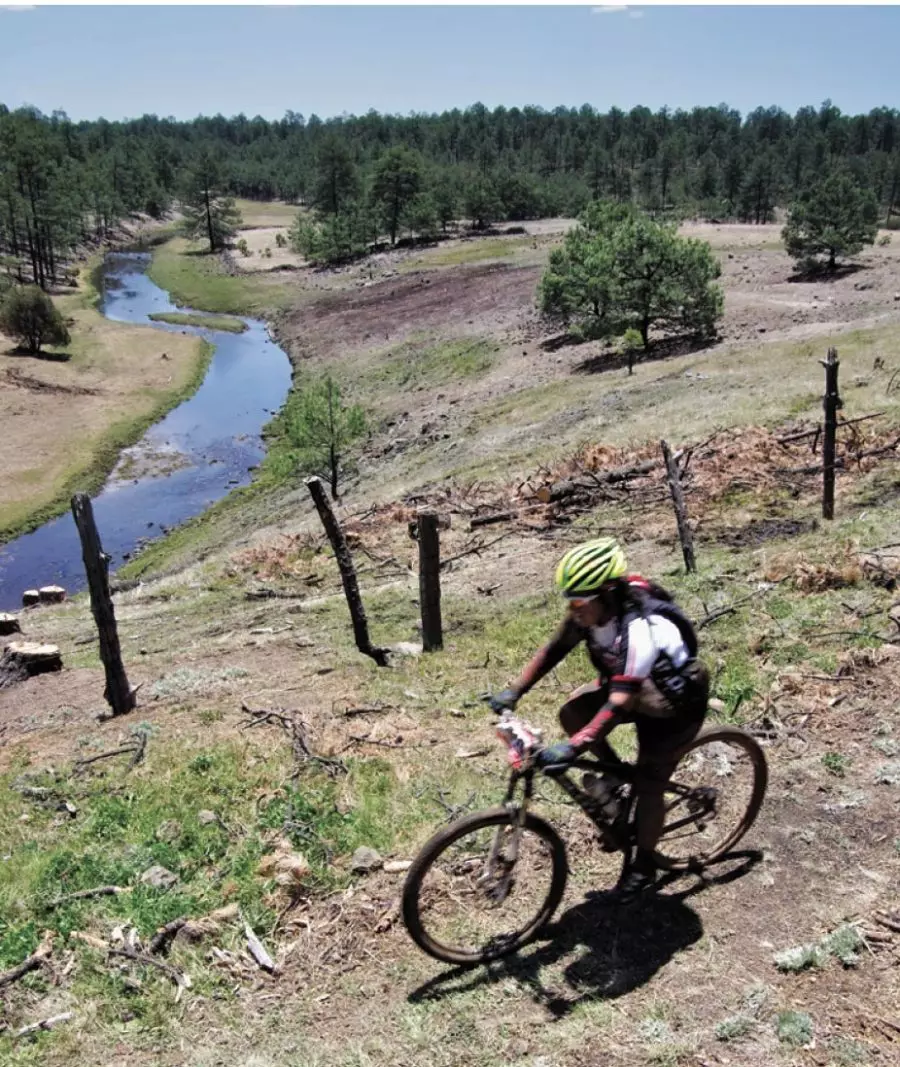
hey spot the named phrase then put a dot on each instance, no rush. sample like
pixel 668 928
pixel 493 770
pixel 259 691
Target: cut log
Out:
pixel 489 520
pixel 549 494
pixel 51 594
pixel 9 624
pixel 23 659
pixel 30 597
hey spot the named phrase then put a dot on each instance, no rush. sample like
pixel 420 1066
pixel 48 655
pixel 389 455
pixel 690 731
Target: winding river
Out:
pixel 199 452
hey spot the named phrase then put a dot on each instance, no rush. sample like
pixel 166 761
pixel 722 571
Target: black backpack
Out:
pixel 653 599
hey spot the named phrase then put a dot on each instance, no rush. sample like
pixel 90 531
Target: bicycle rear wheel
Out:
pixel 483 886
pixel 713 798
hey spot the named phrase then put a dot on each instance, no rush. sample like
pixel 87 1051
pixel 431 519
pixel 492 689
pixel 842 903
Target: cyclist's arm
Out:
pixel 555 651
pixel 637 655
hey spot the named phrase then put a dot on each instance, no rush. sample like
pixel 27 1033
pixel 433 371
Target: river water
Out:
pixel 198 453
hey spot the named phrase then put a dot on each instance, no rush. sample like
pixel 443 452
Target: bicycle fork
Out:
pixel 497 879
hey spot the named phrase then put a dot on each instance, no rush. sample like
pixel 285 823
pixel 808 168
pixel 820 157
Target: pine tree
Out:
pixel 322 430
pixel 208 213
pixel 836 217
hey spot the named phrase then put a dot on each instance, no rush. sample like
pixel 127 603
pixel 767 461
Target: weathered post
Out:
pixel 348 573
pixel 118 693
pixel 684 530
pixel 831 402
pixel 430 580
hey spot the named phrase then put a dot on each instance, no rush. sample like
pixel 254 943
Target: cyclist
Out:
pixel 645 652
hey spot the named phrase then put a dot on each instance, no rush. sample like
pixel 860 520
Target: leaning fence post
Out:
pixel 348 573
pixel 430 580
pixel 684 530
pixel 118 693
pixel 831 401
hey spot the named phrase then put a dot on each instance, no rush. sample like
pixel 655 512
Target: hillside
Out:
pixel 474 407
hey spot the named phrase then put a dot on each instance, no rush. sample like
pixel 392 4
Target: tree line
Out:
pixel 65 183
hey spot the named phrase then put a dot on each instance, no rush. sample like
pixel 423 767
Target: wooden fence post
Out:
pixel 348 573
pixel 684 530
pixel 118 693
pixel 831 402
pixel 430 580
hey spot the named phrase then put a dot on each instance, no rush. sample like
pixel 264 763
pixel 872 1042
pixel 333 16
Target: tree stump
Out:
pixel 51 594
pixel 23 659
pixel 30 597
pixel 9 624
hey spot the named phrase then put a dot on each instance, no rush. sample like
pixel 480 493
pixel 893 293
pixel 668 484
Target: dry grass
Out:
pixel 114 376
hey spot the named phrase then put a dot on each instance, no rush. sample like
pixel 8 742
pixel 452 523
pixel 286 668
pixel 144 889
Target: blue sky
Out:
pixel 183 61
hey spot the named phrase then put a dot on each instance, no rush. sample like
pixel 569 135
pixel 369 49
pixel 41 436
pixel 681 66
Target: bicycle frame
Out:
pixel 592 808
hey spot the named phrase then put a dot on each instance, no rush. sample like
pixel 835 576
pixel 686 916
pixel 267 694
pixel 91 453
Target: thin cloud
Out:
pixel 618 9
pixel 18 7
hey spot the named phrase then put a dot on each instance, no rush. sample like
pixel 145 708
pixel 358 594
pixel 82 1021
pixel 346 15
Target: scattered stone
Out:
pixel 205 818
pixel 287 867
pixel 168 831
pixel 9 624
pixel 366 860
pixel 407 648
pixel 51 594
pixel 158 877
pixel 397 866
pixel 716 705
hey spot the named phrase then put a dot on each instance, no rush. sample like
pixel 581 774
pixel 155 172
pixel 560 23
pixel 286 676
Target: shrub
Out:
pixel 31 317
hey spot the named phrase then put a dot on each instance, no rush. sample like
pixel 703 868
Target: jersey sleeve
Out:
pixel 637 654
pixel 560 645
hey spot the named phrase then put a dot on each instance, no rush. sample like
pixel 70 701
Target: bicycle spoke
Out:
pixel 485 888
pixel 716 783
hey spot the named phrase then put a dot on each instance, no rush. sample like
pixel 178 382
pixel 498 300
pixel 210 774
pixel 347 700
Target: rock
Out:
pixel 9 624
pixel 287 867
pixel 168 831
pixel 716 705
pixel 407 648
pixel 397 866
pixel 51 594
pixel 206 817
pixel 158 878
pixel 897 296
pixel 365 860
pixel 30 597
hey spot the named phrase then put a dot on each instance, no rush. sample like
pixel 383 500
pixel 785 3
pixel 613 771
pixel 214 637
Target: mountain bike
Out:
pixel 488 883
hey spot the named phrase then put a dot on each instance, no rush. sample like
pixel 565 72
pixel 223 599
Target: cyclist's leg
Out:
pixel 578 711
pixel 658 741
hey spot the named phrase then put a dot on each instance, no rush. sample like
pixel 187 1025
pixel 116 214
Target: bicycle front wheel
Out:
pixel 484 886
pixel 713 798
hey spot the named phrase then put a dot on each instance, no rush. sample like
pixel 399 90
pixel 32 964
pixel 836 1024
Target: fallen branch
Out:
pixel 87 894
pixel 257 950
pixel 165 935
pixel 44 1024
pixel 31 963
pixel 373 709
pixel 888 921
pixel 816 430
pixel 728 609
pixel 489 520
pixel 136 751
pixel 549 494
pixel 183 981
pixel 471 551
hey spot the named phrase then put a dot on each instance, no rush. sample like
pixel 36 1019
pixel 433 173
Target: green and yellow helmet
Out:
pixel 585 568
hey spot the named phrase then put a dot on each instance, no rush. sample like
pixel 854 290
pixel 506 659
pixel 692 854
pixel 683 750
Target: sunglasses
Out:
pixel 581 601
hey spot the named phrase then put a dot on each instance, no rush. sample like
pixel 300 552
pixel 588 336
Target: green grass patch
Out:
pixel 475 250
pixel 195 279
pixel 419 363
pixel 207 322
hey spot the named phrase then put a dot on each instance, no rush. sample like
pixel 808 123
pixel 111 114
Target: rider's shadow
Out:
pixel 615 950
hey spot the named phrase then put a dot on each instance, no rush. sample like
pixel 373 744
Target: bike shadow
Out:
pixel 625 945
